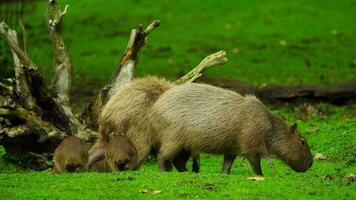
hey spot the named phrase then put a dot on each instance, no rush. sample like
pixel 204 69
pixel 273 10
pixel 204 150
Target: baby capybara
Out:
pixel 100 166
pixel 121 154
pixel 127 112
pixel 202 118
pixel 71 155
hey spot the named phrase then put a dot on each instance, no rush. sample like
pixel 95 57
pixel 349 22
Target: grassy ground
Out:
pixel 331 134
pixel 273 42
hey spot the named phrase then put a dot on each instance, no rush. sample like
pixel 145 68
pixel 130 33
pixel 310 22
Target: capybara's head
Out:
pixel 75 168
pixel 293 149
pixel 120 153
pixel 122 164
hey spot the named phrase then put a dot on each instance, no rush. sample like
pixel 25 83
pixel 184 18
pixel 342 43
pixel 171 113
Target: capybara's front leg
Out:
pixel 196 163
pixel 228 161
pixel 255 162
pixel 180 160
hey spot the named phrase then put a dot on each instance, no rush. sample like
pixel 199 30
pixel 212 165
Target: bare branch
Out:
pixel 152 26
pixel 15 131
pixel 61 80
pixel 25 60
pixel 35 122
pixel 5 90
pixel 213 59
pixel 125 70
pixel 55 15
pixel 22 88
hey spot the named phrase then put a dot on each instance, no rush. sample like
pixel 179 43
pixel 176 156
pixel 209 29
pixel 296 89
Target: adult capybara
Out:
pixel 126 113
pixel 121 154
pixel 71 155
pixel 202 118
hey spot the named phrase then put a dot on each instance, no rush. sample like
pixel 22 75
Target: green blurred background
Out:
pixel 268 42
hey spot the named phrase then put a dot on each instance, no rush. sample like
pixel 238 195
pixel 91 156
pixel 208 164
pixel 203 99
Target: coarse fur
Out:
pixel 126 113
pixel 121 154
pixel 71 155
pixel 202 118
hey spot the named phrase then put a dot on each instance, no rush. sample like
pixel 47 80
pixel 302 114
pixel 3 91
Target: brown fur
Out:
pixel 121 154
pixel 126 113
pixel 100 166
pixel 202 118
pixel 71 155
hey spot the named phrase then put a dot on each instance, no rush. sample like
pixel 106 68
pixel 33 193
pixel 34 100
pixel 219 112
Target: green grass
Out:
pixel 279 42
pixel 333 135
pixel 268 42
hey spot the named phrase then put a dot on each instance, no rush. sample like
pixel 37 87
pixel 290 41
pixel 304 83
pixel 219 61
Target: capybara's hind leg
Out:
pixel 165 155
pixel 255 162
pixel 228 161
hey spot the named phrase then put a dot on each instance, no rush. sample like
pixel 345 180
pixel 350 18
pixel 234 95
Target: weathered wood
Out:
pixel 25 60
pixel 59 115
pixel 61 80
pixel 22 88
pixel 336 94
pixel 43 129
pixel 211 60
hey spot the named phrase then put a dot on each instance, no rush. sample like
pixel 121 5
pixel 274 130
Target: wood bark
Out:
pixel 61 80
pixel 279 95
pixel 211 60
pixel 22 87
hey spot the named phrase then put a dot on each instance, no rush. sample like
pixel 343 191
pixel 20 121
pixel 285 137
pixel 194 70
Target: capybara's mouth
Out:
pixel 121 166
pixel 303 169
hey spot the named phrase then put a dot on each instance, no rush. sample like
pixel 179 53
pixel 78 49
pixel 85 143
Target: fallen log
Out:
pixel 336 94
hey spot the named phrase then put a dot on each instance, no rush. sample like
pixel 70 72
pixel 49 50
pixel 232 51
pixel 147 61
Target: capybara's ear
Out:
pixel 293 128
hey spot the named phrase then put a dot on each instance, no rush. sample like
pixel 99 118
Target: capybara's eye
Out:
pixel 302 142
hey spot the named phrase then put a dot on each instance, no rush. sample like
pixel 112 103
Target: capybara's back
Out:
pixel 71 155
pixel 198 113
pixel 199 117
pixel 126 113
pixel 121 154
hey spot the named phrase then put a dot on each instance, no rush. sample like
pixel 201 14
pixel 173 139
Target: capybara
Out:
pixel 126 113
pixel 202 118
pixel 100 166
pixel 121 154
pixel 71 155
